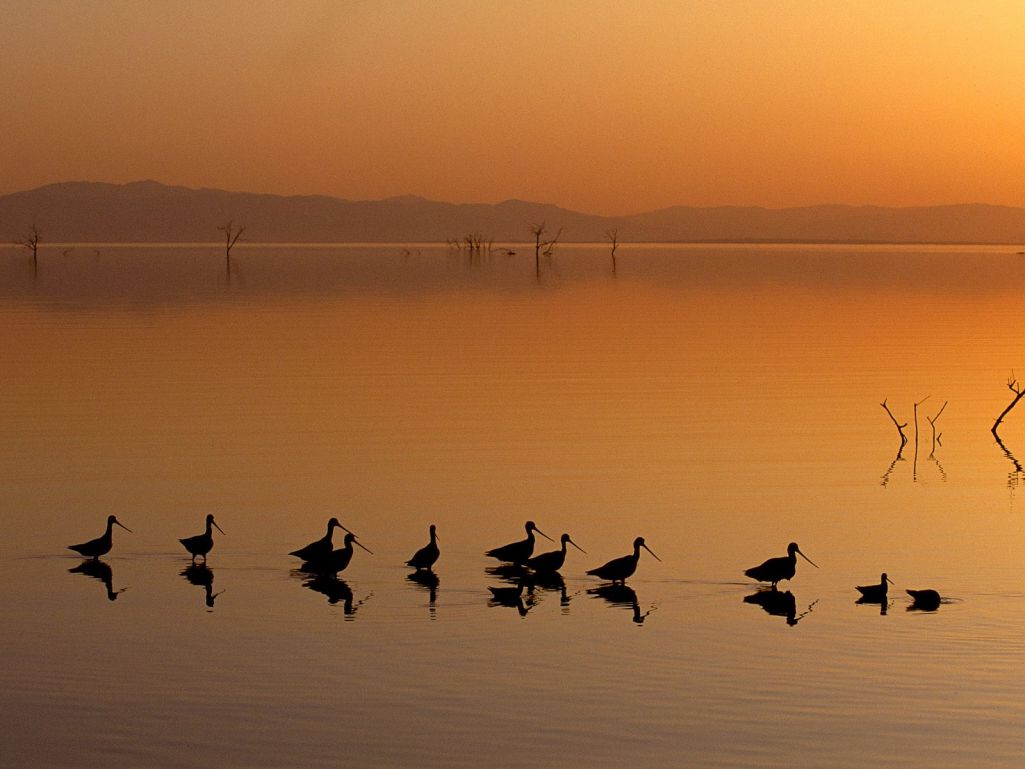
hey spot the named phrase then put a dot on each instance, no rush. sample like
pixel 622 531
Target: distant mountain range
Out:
pixel 91 212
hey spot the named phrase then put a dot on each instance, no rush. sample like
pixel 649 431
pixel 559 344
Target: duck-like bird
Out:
pixel 518 552
pixel 337 560
pixel 94 548
pixel 618 569
pixel 201 544
pixel 548 563
pixel 926 600
pixel 322 547
pixel 425 557
pixel 874 593
pixel 775 569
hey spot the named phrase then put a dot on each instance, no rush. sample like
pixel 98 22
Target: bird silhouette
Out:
pixel 618 569
pixel 201 544
pixel 776 569
pixel 94 548
pixel 426 556
pixel 518 552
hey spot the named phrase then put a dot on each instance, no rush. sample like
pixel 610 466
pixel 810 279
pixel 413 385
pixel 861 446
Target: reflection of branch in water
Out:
pixel 1015 477
pixel 935 461
pixel 889 470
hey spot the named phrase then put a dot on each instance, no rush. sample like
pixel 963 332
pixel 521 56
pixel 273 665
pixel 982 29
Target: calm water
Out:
pixel 719 401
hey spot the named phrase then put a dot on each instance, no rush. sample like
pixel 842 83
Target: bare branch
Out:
pixel 1019 392
pixel 936 436
pixel 900 427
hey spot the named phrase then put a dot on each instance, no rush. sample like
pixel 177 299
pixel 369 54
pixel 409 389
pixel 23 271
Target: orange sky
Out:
pixel 605 107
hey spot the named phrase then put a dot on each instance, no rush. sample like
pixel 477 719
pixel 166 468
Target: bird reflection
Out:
pixel 883 603
pixel 428 581
pixel 554 583
pixel 512 597
pixel 778 604
pixel 200 575
pixel 623 596
pixel 337 590
pixel 508 572
pixel 98 569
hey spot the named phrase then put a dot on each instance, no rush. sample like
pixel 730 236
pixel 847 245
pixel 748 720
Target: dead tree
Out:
pixel 936 436
pixel 1019 391
pixel 551 244
pixel 231 236
pixel 900 427
pixel 613 237
pixel 30 241
pixel 538 231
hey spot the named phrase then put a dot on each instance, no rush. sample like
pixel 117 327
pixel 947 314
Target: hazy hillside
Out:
pixel 153 212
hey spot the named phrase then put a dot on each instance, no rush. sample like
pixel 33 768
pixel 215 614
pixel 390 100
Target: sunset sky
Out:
pixel 604 107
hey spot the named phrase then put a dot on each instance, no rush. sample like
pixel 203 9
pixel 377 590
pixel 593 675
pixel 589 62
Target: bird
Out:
pixel 518 552
pixel 322 547
pixel 874 593
pixel 94 548
pixel 201 544
pixel 553 561
pixel 336 561
pixel 926 600
pixel 425 557
pixel 618 569
pixel 775 569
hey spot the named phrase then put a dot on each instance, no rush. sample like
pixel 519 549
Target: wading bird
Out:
pixel 518 552
pixel 775 569
pixel 618 569
pixel 874 593
pixel 337 561
pixel 553 561
pixel 926 600
pixel 425 557
pixel 322 547
pixel 94 548
pixel 201 544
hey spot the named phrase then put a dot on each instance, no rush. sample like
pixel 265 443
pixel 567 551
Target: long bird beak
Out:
pixel 358 543
pixel 576 546
pixel 809 560
pixel 652 554
pixel 543 534
pixel 890 581
pixel 123 526
pixel 218 527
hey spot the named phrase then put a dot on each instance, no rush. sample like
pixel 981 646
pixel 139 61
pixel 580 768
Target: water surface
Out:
pixel 719 401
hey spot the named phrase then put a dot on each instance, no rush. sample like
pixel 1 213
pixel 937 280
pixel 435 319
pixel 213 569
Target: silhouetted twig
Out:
pixel 936 436
pixel 1013 386
pixel 900 427
pixel 231 236
pixel 30 241
pixel 613 238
